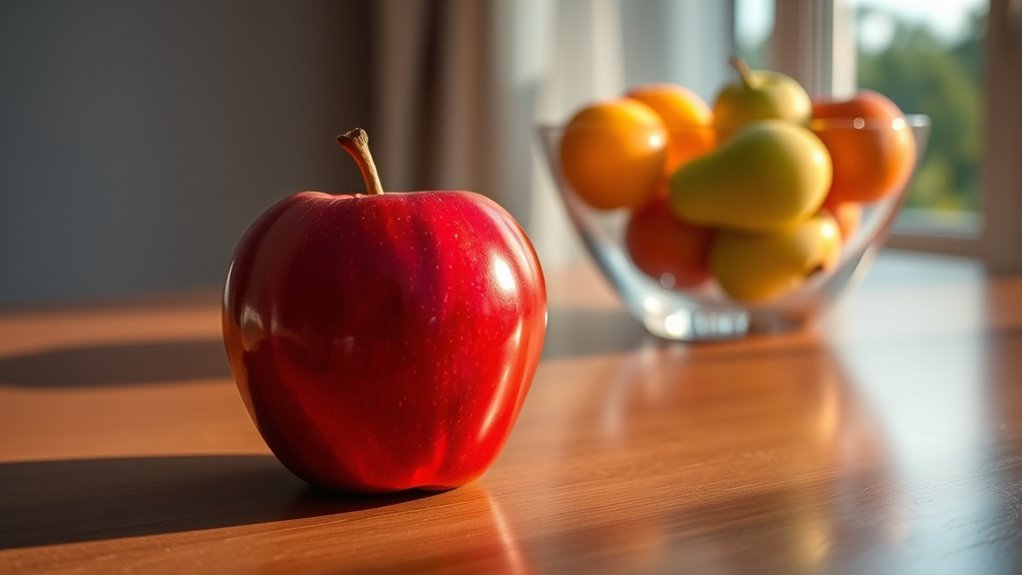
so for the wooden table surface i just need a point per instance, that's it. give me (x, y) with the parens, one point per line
(885, 438)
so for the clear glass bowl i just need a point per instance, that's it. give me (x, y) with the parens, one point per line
(707, 313)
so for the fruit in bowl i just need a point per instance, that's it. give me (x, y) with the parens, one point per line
(666, 247)
(613, 154)
(758, 95)
(753, 266)
(770, 175)
(755, 227)
(869, 164)
(680, 109)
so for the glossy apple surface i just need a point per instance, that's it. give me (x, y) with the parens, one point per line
(385, 342)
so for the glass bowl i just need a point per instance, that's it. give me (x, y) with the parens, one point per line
(706, 312)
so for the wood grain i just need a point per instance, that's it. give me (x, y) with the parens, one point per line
(885, 438)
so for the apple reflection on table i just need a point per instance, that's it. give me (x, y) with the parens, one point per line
(735, 465)
(465, 527)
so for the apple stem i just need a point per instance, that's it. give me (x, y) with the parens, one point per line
(356, 143)
(743, 70)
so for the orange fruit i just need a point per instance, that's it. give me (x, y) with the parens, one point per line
(612, 153)
(688, 119)
(871, 147)
(848, 216)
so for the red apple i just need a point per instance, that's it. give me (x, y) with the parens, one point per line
(384, 342)
(669, 250)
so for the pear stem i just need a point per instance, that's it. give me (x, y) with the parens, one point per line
(356, 143)
(743, 70)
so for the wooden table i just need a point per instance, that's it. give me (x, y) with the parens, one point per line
(885, 438)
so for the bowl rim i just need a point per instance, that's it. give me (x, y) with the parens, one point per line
(914, 121)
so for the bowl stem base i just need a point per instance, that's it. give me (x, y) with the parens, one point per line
(718, 324)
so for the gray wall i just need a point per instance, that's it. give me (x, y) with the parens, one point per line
(139, 139)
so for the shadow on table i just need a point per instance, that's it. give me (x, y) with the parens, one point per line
(118, 364)
(52, 502)
(570, 333)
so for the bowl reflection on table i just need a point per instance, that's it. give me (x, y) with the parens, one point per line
(706, 312)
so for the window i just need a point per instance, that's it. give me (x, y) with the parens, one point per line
(928, 57)
(754, 24)
(956, 61)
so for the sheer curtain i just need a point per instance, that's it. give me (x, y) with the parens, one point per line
(462, 84)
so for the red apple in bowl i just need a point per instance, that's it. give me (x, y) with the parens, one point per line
(384, 342)
(667, 249)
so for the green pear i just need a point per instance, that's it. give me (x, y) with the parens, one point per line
(759, 95)
(770, 175)
(755, 267)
